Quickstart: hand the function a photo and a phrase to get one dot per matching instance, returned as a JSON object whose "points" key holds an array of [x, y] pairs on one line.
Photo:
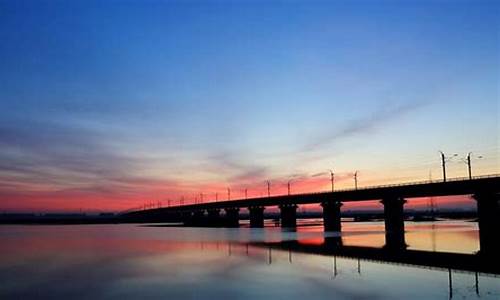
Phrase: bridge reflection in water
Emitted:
{"points": [[476, 265], [332, 246]]}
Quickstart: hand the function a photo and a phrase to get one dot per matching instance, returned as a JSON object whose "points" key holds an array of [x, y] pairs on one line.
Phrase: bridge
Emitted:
{"points": [[485, 190]]}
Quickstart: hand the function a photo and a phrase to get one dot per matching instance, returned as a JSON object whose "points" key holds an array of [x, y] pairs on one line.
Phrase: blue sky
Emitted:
{"points": [[116, 100]]}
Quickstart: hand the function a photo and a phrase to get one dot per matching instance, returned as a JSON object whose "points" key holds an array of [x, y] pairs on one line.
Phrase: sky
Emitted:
{"points": [[109, 105]]}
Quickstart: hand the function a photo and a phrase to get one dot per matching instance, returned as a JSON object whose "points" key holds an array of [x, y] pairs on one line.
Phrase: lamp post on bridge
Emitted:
{"points": [[268, 188], [291, 179], [216, 197], [467, 160], [444, 159], [228, 194], [356, 180], [332, 176], [246, 193]]}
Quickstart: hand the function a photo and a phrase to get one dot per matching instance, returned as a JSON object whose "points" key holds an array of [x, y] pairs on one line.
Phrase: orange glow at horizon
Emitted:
{"points": [[156, 194]]}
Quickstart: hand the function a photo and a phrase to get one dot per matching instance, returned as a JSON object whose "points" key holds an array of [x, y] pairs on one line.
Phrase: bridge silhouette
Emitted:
{"points": [[485, 190]]}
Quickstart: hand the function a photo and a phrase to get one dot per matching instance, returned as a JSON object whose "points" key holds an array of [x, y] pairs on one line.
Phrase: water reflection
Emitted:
{"points": [[130, 262]]}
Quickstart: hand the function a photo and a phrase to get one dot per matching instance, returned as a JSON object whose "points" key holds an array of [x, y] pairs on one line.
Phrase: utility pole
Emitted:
{"points": [[468, 161], [332, 176], [443, 164], [356, 180], [469, 165]]}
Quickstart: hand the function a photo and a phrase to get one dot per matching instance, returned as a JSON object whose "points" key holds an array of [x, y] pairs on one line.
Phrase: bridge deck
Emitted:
{"points": [[410, 190]]}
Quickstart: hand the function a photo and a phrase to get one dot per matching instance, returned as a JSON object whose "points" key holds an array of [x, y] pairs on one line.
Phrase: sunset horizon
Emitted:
{"points": [[107, 109]]}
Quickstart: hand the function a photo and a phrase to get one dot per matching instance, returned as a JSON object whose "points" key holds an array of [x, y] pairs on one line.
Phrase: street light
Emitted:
{"points": [[268, 188], [332, 176], [356, 180], [246, 193], [216, 197], [467, 160], [228, 194], [444, 159], [288, 185]]}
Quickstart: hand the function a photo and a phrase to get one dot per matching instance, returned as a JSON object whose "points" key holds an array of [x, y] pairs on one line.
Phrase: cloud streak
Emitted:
{"points": [[362, 126]]}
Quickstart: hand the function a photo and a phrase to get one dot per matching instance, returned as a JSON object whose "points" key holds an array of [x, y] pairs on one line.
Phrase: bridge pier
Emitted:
{"points": [[186, 217], [288, 215], [332, 242], [175, 217], [213, 218], [198, 218], [488, 211], [193, 218], [232, 217], [394, 222], [256, 216], [331, 215]]}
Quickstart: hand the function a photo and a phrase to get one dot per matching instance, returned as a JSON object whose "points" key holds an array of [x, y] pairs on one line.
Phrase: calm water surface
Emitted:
{"points": [[144, 262]]}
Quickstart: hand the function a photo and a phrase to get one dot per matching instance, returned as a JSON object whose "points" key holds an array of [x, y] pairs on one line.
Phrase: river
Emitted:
{"points": [[136, 261]]}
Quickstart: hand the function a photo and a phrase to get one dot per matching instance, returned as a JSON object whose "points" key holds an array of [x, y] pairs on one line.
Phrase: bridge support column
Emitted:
{"points": [[232, 217], [175, 217], [213, 218], [394, 222], [288, 215], [186, 217], [488, 211], [256, 216], [332, 242], [331, 215], [199, 218]]}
